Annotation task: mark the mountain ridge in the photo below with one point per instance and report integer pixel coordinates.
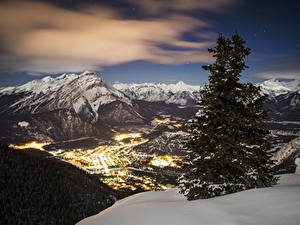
(68, 106)
(179, 93)
(76, 105)
(84, 93)
(183, 94)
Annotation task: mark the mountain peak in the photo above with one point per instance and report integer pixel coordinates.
(275, 87)
(84, 93)
(87, 72)
(181, 83)
(90, 74)
(275, 80)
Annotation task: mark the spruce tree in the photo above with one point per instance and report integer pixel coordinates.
(228, 149)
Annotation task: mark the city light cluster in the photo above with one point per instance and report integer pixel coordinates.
(166, 122)
(126, 179)
(119, 165)
(166, 160)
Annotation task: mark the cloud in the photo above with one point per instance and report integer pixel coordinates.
(283, 74)
(42, 37)
(281, 70)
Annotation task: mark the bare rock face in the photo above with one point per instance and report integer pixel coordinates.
(285, 158)
(284, 107)
(118, 112)
(54, 125)
(61, 125)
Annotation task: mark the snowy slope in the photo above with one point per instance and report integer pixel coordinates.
(84, 93)
(179, 93)
(267, 206)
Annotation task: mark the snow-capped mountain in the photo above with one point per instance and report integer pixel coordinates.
(74, 105)
(179, 93)
(184, 94)
(284, 99)
(283, 103)
(275, 87)
(64, 107)
(84, 93)
(284, 96)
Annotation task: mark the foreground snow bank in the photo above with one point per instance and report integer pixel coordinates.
(276, 205)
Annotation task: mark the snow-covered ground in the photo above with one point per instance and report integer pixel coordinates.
(278, 205)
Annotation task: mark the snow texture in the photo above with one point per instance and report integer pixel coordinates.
(277, 205)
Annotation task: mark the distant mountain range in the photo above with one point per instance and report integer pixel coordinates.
(184, 94)
(283, 97)
(179, 93)
(72, 105)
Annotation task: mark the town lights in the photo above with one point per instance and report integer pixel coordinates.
(113, 161)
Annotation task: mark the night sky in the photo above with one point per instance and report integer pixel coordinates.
(144, 40)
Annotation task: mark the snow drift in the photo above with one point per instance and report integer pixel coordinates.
(277, 205)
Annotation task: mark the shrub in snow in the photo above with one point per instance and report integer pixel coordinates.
(228, 146)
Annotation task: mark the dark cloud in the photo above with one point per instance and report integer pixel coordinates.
(159, 7)
(281, 70)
